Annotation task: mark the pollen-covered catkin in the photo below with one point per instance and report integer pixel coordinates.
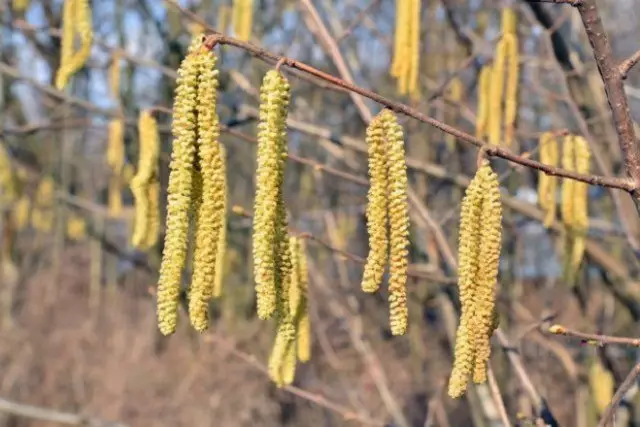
(76, 20)
(479, 255)
(569, 164)
(468, 260)
(211, 210)
(281, 365)
(406, 55)
(298, 298)
(484, 96)
(242, 17)
(601, 384)
(274, 97)
(179, 193)
(487, 274)
(511, 89)
(377, 206)
(398, 223)
(547, 185)
(222, 237)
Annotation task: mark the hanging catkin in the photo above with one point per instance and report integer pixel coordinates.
(76, 19)
(179, 191)
(506, 56)
(222, 237)
(268, 205)
(406, 55)
(478, 255)
(142, 184)
(242, 18)
(601, 385)
(547, 185)
(387, 215)
(21, 212)
(76, 227)
(484, 96)
(211, 213)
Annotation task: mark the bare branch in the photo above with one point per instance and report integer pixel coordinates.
(628, 64)
(569, 2)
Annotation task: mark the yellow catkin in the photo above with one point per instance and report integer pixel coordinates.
(76, 227)
(76, 20)
(114, 76)
(377, 206)
(400, 39)
(211, 209)
(143, 180)
(242, 17)
(8, 190)
(569, 164)
(468, 260)
(179, 192)
(20, 5)
(486, 279)
(496, 92)
(281, 364)
(42, 215)
(398, 223)
(303, 330)
(508, 21)
(511, 89)
(222, 238)
(547, 185)
(153, 221)
(284, 269)
(479, 254)
(484, 96)
(580, 219)
(224, 16)
(601, 383)
(414, 36)
(20, 212)
(406, 55)
(274, 96)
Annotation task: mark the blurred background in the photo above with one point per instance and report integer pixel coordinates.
(78, 332)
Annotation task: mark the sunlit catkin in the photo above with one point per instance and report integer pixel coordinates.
(484, 96)
(274, 97)
(601, 385)
(141, 183)
(76, 19)
(479, 254)
(282, 361)
(487, 274)
(569, 164)
(242, 17)
(8, 191)
(222, 237)
(76, 227)
(298, 297)
(178, 193)
(211, 210)
(377, 206)
(398, 223)
(406, 55)
(547, 185)
(20, 213)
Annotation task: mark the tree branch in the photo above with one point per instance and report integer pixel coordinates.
(599, 339)
(628, 64)
(607, 416)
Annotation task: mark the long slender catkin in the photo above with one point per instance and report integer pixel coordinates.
(547, 185)
(222, 237)
(211, 209)
(76, 20)
(179, 192)
(268, 209)
(580, 217)
(484, 96)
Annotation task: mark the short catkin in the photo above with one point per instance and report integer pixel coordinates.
(547, 185)
(179, 192)
(268, 239)
(478, 254)
(388, 215)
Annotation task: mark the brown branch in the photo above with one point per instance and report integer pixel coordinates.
(356, 21)
(614, 89)
(607, 416)
(491, 150)
(569, 2)
(628, 64)
(594, 338)
(49, 415)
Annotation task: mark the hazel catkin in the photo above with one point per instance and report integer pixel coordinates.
(268, 208)
(179, 192)
(76, 19)
(479, 255)
(547, 184)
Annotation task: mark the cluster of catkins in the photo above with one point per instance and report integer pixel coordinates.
(242, 18)
(278, 260)
(480, 242)
(76, 20)
(388, 215)
(196, 193)
(576, 157)
(406, 54)
(493, 92)
(145, 186)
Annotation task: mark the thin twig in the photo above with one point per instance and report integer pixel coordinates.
(607, 416)
(595, 338)
(628, 64)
